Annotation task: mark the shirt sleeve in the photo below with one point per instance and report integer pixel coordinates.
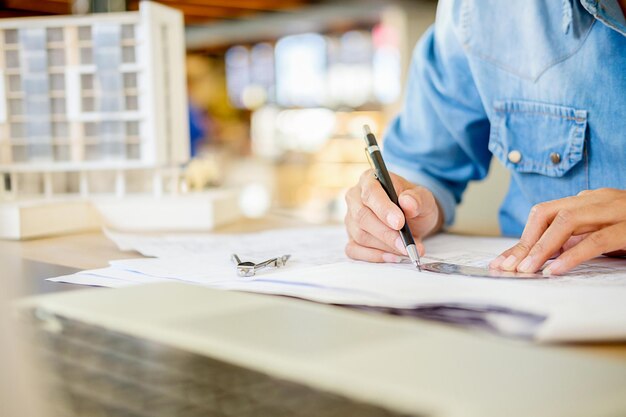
(440, 139)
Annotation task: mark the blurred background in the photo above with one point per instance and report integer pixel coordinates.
(278, 93)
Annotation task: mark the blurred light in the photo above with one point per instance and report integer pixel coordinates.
(355, 125)
(350, 69)
(387, 74)
(263, 132)
(356, 47)
(387, 64)
(385, 35)
(237, 74)
(255, 200)
(262, 68)
(301, 70)
(350, 85)
(305, 130)
(253, 96)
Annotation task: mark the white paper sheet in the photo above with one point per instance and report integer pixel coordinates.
(93, 281)
(574, 312)
(205, 258)
(588, 304)
(313, 246)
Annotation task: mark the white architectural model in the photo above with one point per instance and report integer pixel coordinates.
(87, 98)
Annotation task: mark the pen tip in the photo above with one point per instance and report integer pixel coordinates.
(366, 129)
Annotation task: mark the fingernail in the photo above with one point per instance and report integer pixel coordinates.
(509, 262)
(393, 220)
(400, 246)
(526, 265)
(552, 269)
(391, 258)
(409, 202)
(495, 264)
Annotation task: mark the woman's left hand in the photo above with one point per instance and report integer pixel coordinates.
(576, 228)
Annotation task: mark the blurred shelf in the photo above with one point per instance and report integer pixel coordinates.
(195, 11)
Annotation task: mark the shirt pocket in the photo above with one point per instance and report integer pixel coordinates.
(524, 38)
(543, 147)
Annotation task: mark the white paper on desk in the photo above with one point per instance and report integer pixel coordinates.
(313, 245)
(206, 257)
(93, 281)
(212, 271)
(202, 265)
(200, 269)
(108, 277)
(201, 260)
(588, 305)
(574, 312)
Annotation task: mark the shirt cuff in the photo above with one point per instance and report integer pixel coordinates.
(444, 197)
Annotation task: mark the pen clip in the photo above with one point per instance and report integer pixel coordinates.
(369, 160)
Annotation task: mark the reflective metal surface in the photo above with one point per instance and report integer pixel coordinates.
(473, 271)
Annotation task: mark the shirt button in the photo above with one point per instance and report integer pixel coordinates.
(515, 156)
(555, 158)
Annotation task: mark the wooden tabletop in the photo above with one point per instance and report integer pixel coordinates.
(93, 250)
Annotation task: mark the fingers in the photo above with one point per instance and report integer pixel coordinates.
(360, 232)
(565, 224)
(560, 225)
(374, 196)
(538, 221)
(496, 263)
(369, 240)
(361, 253)
(417, 201)
(608, 239)
(421, 210)
(572, 241)
(549, 226)
(373, 220)
(366, 229)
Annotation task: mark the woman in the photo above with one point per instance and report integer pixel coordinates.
(542, 86)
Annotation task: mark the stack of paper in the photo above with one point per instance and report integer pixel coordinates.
(588, 304)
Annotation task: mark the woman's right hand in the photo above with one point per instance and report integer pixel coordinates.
(373, 221)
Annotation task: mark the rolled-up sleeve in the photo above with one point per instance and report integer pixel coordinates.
(440, 139)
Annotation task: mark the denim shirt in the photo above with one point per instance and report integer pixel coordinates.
(539, 84)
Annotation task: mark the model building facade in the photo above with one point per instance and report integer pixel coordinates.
(101, 92)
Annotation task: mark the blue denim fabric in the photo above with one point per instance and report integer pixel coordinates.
(544, 78)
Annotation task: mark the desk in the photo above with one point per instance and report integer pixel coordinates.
(33, 260)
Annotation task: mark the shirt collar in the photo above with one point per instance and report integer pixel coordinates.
(608, 12)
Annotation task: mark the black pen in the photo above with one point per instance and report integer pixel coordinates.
(382, 175)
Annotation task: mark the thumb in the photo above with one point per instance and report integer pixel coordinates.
(414, 202)
(421, 209)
